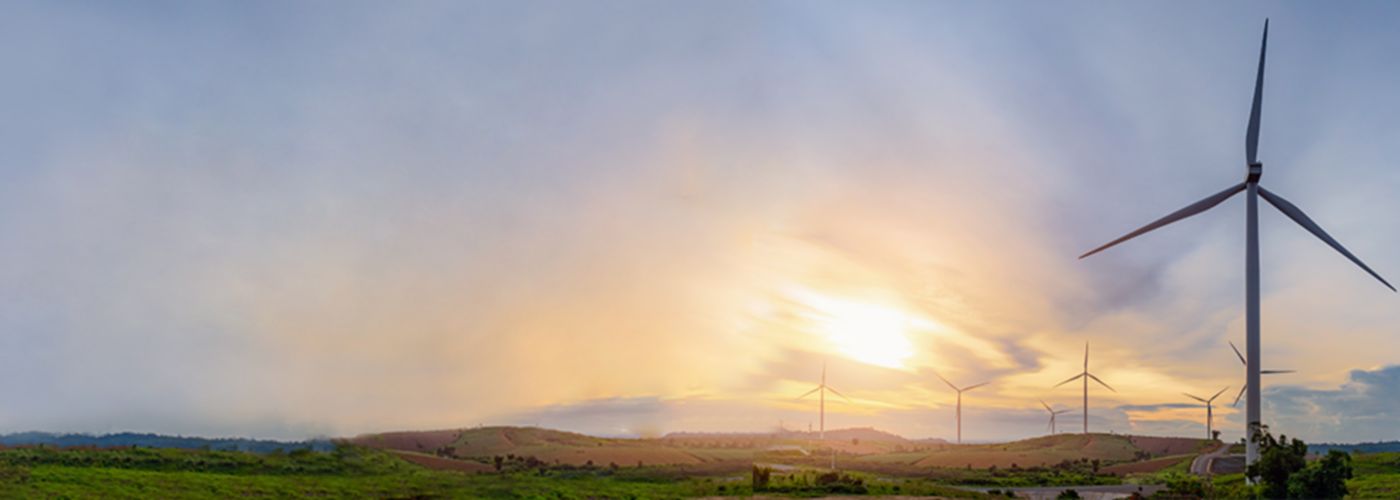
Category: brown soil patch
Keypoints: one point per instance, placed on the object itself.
(439, 463)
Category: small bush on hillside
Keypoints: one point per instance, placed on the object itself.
(1326, 478)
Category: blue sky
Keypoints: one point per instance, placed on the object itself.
(280, 220)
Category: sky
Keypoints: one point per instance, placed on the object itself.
(300, 219)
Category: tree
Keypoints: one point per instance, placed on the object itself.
(1278, 459)
(1326, 478)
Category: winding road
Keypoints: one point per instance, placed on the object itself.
(1201, 465)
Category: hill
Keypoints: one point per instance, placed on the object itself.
(1047, 450)
(126, 439)
(878, 448)
(558, 447)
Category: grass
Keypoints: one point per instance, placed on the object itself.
(350, 472)
(1376, 475)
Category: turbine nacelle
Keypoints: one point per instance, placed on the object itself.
(1256, 169)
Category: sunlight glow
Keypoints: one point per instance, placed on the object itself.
(866, 332)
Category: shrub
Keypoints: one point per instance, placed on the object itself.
(1278, 459)
(1326, 478)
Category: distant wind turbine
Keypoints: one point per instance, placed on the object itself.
(960, 391)
(1246, 367)
(1253, 192)
(1086, 376)
(1053, 413)
(1210, 415)
(822, 388)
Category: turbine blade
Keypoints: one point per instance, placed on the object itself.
(971, 387)
(1238, 355)
(1062, 412)
(1192, 209)
(809, 393)
(838, 393)
(1071, 379)
(1251, 140)
(1047, 407)
(1293, 212)
(1275, 372)
(1193, 397)
(1096, 379)
(1222, 391)
(950, 384)
(1238, 396)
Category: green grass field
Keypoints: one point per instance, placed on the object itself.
(350, 472)
(1377, 475)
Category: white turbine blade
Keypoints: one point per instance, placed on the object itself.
(1071, 379)
(1192, 209)
(1047, 407)
(1238, 396)
(1194, 397)
(809, 393)
(1096, 379)
(1251, 139)
(1222, 391)
(950, 384)
(1275, 372)
(1238, 355)
(1062, 412)
(971, 387)
(838, 393)
(1293, 212)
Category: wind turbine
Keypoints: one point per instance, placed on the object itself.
(823, 388)
(1210, 415)
(960, 391)
(1253, 192)
(1246, 367)
(1053, 412)
(1086, 376)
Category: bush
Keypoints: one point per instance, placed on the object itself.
(1278, 459)
(1326, 478)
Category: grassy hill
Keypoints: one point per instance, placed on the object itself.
(555, 447)
(881, 450)
(1047, 450)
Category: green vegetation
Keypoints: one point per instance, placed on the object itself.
(348, 472)
(1377, 475)
(813, 482)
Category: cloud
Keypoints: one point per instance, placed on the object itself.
(1365, 408)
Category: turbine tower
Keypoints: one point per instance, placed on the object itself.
(1086, 376)
(1053, 413)
(822, 411)
(1210, 415)
(1246, 367)
(960, 391)
(1253, 192)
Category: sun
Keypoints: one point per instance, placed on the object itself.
(868, 332)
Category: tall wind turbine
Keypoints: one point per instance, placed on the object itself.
(1253, 192)
(1086, 376)
(960, 391)
(1210, 415)
(1053, 413)
(1246, 367)
(822, 388)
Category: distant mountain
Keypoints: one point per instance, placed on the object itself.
(160, 441)
(1356, 447)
